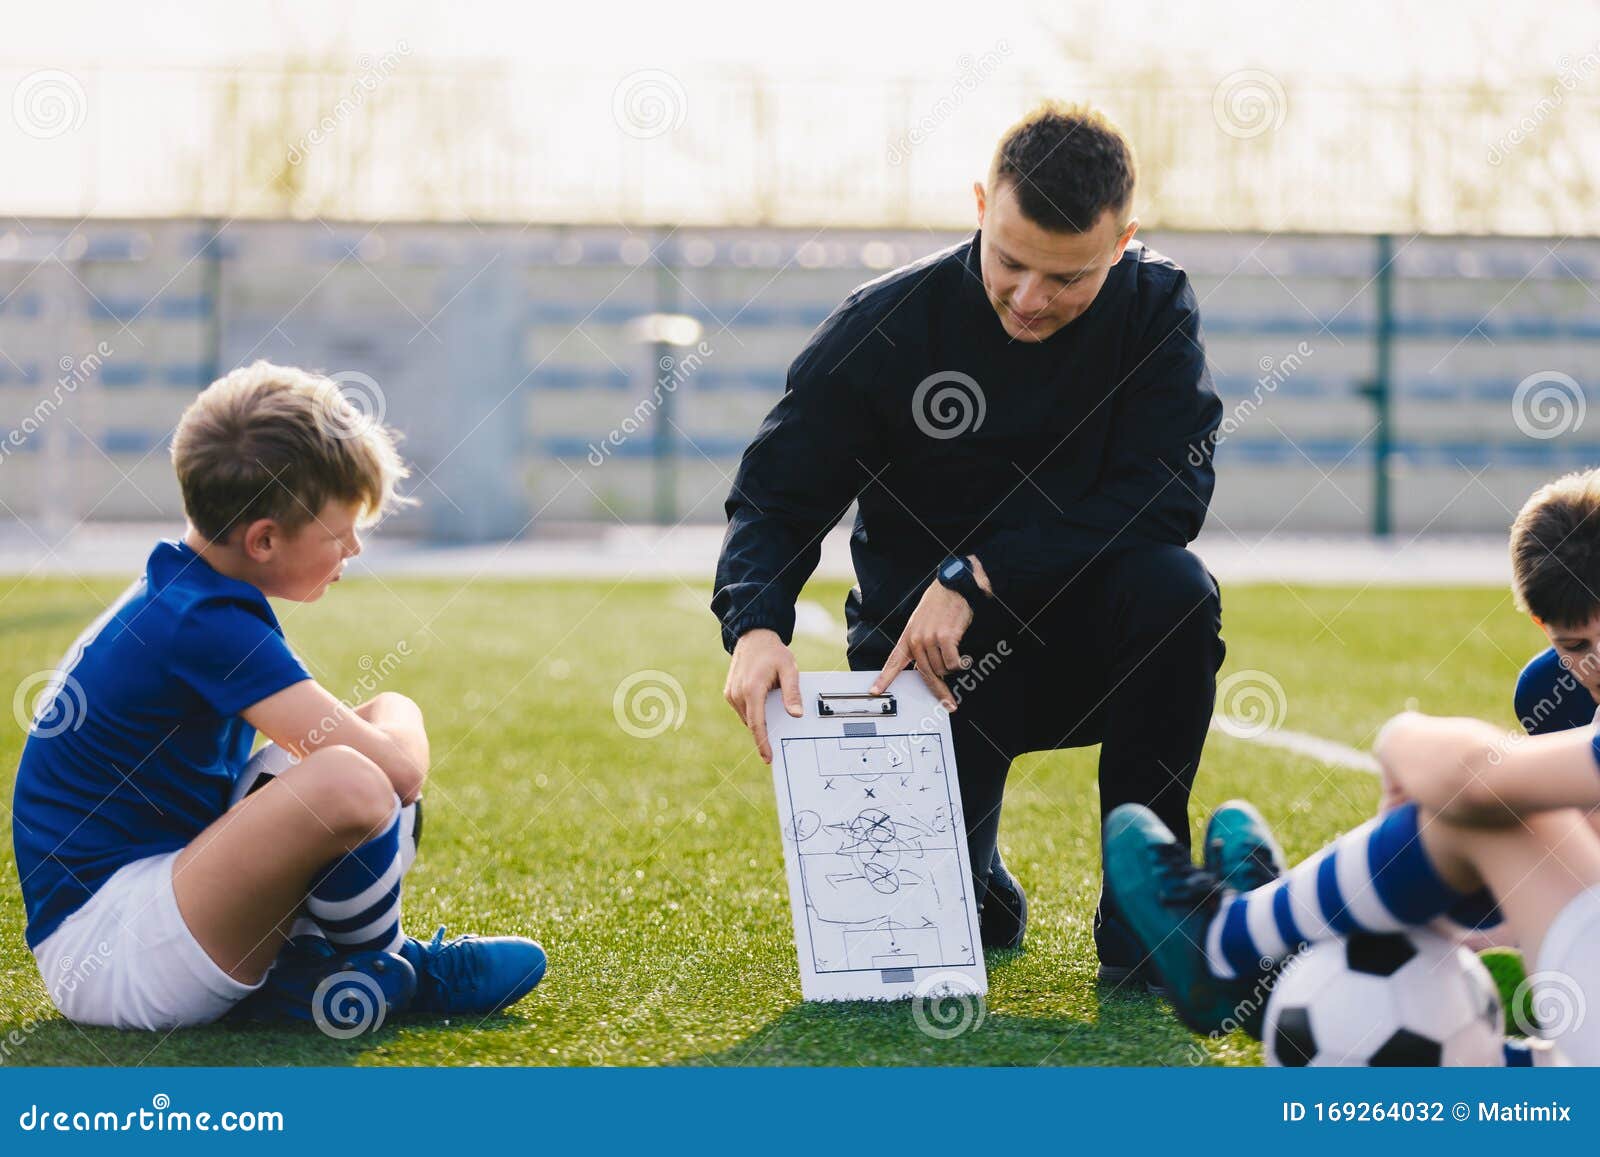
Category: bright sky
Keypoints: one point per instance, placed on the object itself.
(115, 166)
(1374, 41)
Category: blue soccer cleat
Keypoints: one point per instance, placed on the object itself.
(1240, 849)
(344, 994)
(1168, 902)
(472, 975)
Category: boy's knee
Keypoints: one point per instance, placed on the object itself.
(351, 795)
(398, 697)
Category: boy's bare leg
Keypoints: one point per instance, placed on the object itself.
(1534, 866)
(242, 879)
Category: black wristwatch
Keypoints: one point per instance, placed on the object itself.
(955, 572)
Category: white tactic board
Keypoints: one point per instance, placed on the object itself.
(874, 840)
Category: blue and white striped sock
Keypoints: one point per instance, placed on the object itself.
(1377, 878)
(356, 901)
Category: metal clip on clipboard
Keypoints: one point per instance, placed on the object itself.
(837, 704)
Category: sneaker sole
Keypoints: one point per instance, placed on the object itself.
(1117, 975)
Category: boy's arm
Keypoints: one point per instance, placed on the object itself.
(1472, 772)
(401, 720)
(305, 717)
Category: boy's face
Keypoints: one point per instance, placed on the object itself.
(305, 561)
(1037, 279)
(1579, 649)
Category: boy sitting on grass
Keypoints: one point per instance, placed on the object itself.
(1478, 813)
(1475, 827)
(127, 848)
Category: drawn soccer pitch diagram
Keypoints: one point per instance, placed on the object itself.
(876, 847)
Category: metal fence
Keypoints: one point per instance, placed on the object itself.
(1415, 384)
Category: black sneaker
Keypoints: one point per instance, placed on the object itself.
(1003, 910)
(1122, 962)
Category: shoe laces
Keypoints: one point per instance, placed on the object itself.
(1257, 869)
(1181, 883)
(451, 970)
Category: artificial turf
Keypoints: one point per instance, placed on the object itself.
(650, 867)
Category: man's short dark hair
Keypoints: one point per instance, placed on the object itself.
(1068, 164)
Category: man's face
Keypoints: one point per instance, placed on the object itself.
(1037, 279)
(1579, 648)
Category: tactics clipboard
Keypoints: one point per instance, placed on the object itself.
(874, 840)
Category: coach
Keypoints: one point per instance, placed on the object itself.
(1026, 423)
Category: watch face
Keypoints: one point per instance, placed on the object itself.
(952, 569)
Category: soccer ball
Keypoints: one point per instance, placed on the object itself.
(273, 760)
(1411, 998)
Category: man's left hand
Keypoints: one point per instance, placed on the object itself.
(932, 639)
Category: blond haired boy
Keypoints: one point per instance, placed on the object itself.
(129, 844)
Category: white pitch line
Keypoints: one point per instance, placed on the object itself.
(811, 618)
(1301, 743)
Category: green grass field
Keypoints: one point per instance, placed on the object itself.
(651, 869)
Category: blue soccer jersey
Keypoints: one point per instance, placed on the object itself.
(135, 745)
(1549, 697)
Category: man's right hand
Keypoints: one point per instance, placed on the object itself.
(760, 663)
